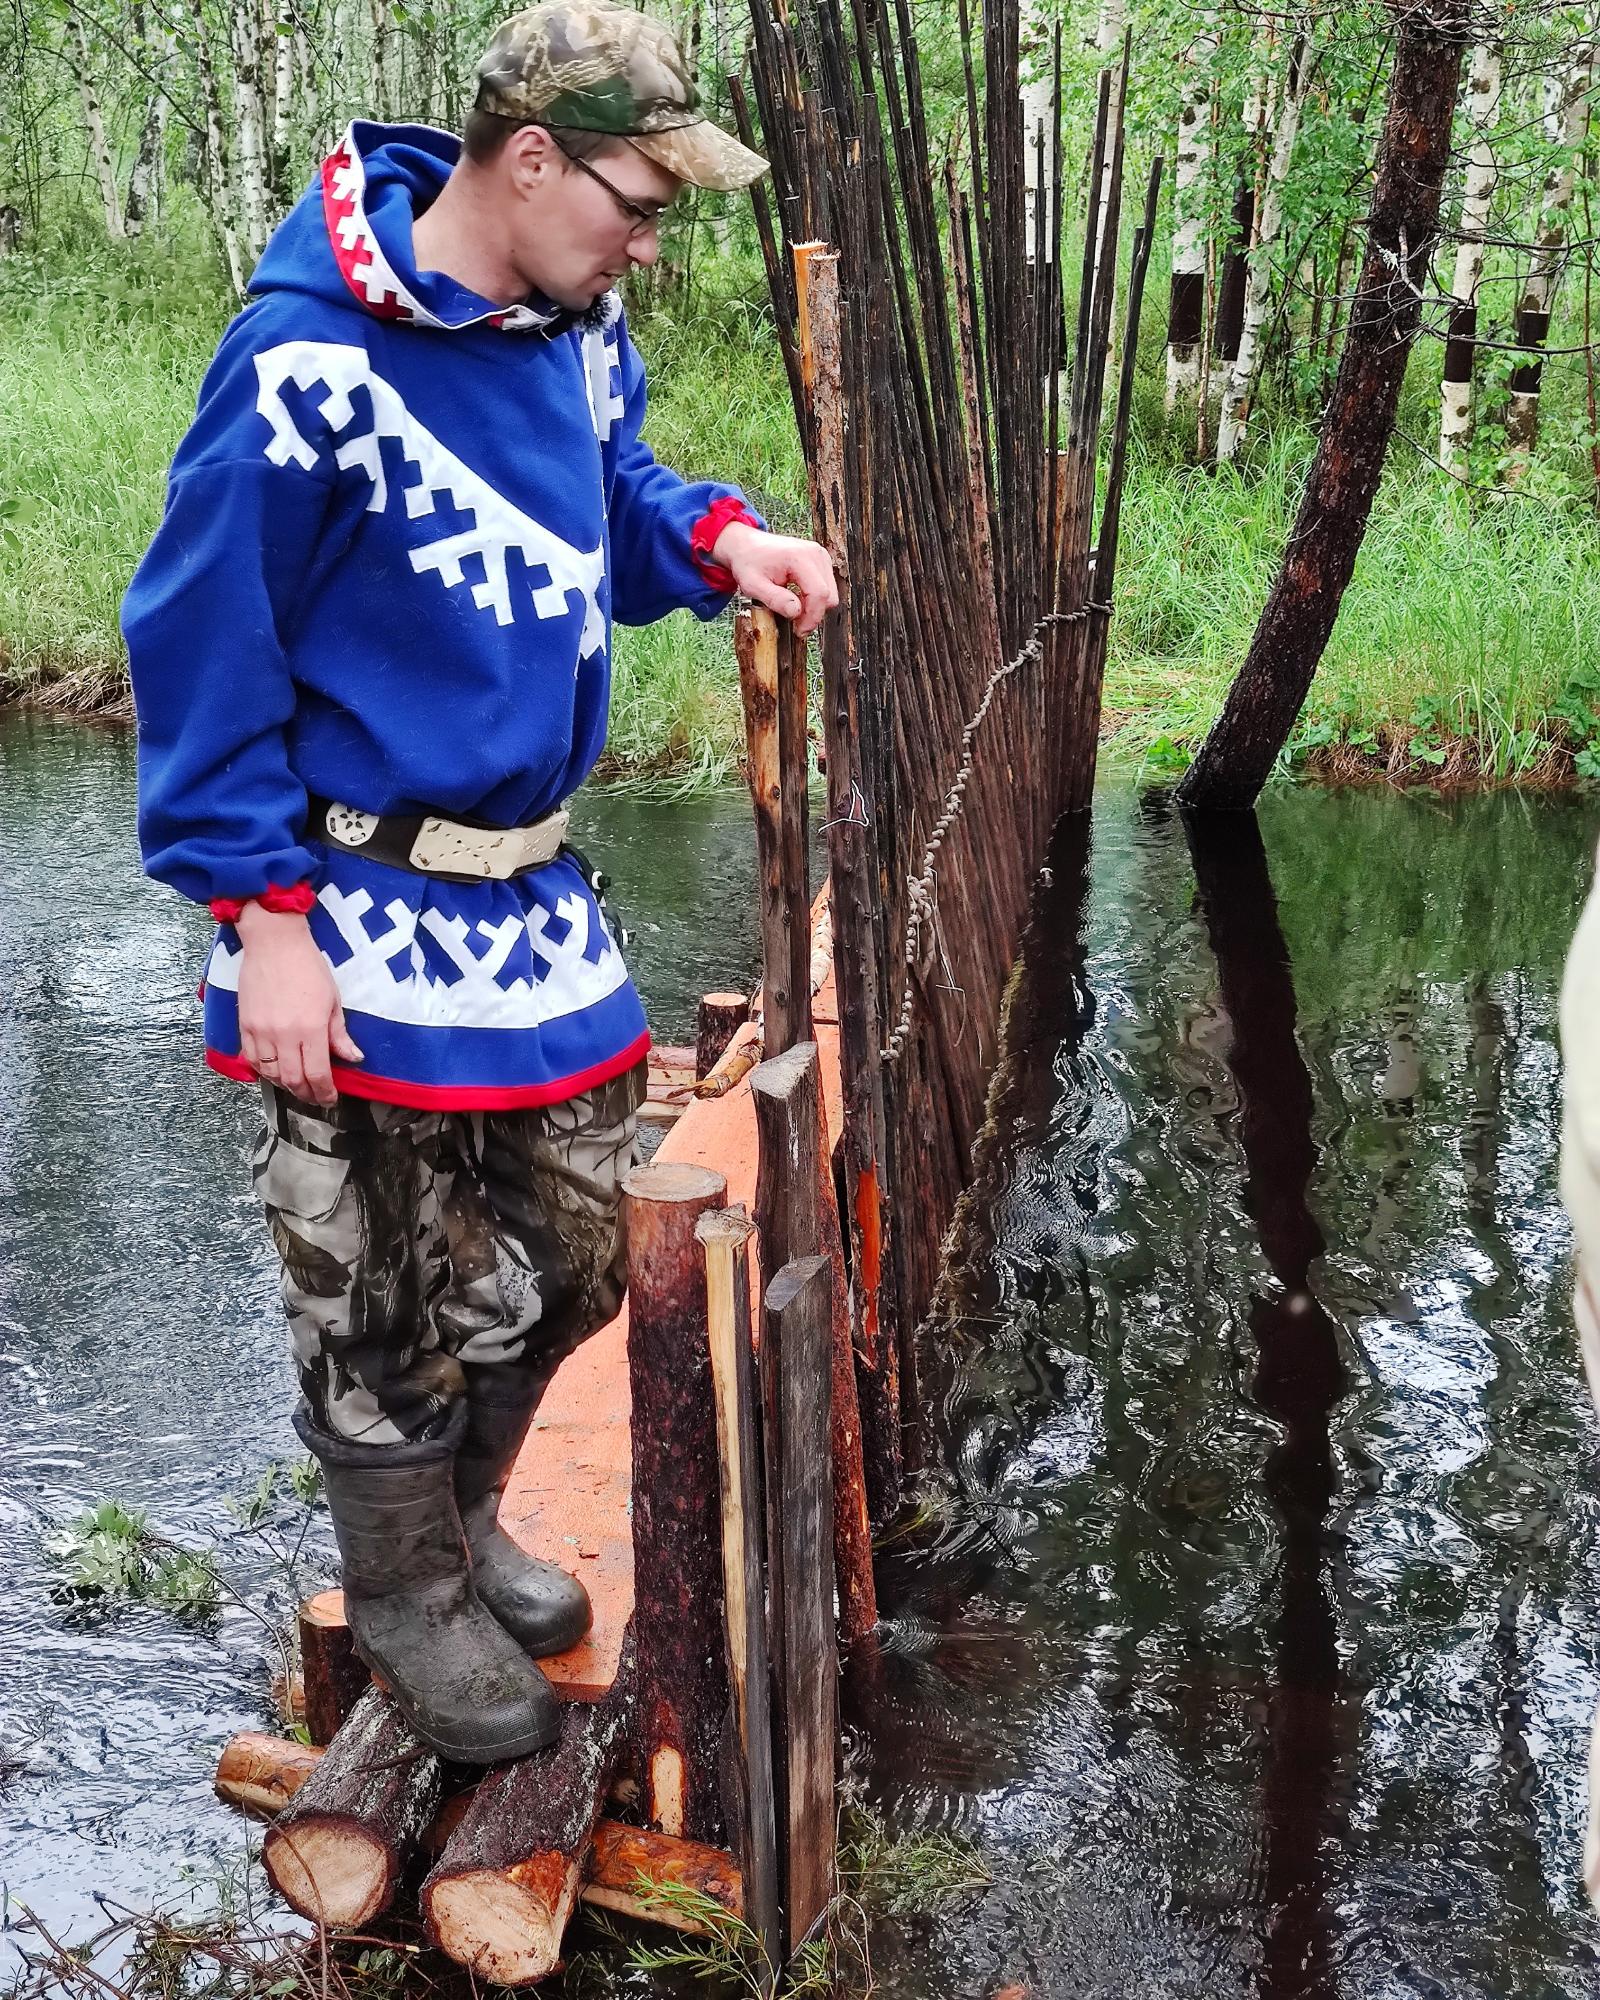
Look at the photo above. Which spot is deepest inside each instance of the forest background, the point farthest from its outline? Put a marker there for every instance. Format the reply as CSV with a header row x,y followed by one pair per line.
x,y
147,150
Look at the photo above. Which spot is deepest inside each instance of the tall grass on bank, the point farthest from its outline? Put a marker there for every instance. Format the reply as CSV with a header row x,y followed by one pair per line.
x,y
101,357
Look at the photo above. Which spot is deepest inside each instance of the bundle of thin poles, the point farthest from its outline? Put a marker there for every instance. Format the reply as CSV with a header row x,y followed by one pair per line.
x,y
953,468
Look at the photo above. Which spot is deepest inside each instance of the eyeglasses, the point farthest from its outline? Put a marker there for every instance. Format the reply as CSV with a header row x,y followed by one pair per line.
x,y
641,218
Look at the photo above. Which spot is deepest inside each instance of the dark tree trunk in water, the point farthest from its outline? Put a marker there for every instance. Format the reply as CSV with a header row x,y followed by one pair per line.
x,y
1265,699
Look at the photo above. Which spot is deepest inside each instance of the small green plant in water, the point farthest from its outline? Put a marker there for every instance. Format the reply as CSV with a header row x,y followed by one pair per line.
x,y
104,1553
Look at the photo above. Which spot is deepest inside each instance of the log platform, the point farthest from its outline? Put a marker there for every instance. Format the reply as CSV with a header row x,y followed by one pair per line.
x,y
505,1881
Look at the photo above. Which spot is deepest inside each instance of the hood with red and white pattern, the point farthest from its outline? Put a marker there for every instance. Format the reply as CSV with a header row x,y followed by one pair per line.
x,y
349,238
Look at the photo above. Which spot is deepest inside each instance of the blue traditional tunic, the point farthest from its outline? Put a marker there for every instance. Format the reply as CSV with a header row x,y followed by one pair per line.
x,y
395,538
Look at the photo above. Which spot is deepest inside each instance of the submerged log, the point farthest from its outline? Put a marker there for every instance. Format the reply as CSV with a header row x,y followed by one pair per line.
x,y
332,1672
259,1773
682,1675
337,1849
499,1897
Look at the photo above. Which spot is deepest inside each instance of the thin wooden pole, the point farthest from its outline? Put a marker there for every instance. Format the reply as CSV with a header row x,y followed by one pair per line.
x,y
767,681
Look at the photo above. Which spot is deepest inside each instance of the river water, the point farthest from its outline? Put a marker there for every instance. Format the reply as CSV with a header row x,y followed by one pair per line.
x,y
1251,1634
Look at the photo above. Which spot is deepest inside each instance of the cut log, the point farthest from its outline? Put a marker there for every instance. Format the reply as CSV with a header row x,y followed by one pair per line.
x,y
500,1895
797,1216
337,1849
796,1349
259,1773
725,1238
772,684
332,1672
717,1020
682,1675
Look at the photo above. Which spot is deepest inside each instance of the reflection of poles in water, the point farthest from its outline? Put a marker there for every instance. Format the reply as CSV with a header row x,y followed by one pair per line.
x,y
1299,1378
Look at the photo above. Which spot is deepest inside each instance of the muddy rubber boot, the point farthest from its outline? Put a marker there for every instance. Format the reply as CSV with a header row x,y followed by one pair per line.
x,y
460,1679
545,1609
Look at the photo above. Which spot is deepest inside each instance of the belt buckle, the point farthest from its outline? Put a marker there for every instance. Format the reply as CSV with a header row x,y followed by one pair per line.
x,y
445,847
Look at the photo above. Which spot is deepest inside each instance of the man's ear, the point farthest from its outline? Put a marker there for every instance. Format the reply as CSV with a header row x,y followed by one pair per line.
x,y
530,156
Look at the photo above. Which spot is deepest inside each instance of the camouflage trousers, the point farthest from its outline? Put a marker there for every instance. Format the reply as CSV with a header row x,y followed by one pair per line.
x,y
418,1245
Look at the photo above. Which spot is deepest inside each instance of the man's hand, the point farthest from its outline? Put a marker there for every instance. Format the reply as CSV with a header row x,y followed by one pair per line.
x,y
291,1026
791,577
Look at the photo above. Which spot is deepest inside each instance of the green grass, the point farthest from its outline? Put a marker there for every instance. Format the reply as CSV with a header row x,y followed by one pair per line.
x,y
1463,649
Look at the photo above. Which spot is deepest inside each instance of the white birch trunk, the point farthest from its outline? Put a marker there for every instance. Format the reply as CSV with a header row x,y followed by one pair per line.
x,y
249,129
310,94
1455,396
1108,40
1186,319
218,174
282,104
105,172
144,183
378,57
1258,291
1566,110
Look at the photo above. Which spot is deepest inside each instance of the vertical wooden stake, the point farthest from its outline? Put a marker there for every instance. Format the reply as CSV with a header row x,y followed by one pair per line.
x,y
725,1238
796,1362
768,672
332,1673
797,1217
677,1620
717,1019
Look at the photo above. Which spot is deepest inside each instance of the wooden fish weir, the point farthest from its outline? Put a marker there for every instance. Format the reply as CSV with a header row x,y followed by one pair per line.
x,y
954,472
711,1463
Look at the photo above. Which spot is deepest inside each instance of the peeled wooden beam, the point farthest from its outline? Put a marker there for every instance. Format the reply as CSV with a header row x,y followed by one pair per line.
x,y
500,1895
332,1673
717,1020
259,1773
725,1238
798,1217
772,685
682,1674
337,1849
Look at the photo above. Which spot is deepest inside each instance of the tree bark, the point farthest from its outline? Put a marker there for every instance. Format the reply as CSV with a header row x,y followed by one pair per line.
x,y
144,183
105,172
1565,117
250,133
218,172
1455,396
1186,315
1304,601
1241,382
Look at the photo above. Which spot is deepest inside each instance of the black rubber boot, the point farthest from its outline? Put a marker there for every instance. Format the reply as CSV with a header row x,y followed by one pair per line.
x,y
545,1609
459,1677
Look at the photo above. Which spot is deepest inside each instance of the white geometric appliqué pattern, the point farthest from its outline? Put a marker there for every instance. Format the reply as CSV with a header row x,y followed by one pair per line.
x,y
498,526
602,364
478,996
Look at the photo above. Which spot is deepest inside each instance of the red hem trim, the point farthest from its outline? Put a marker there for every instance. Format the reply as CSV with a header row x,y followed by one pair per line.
x,y
703,538
447,1097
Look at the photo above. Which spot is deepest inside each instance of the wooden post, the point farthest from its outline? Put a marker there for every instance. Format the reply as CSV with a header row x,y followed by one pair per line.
x,y
682,1674
717,1020
772,685
725,1239
332,1672
797,1217
796,1349
500,1894
336,1850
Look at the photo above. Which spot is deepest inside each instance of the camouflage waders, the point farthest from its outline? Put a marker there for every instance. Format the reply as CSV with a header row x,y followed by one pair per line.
x,y
419,1244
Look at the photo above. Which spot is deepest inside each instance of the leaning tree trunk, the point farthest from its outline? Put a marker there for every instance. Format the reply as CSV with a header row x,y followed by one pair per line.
x,y
1565,118
1483,109
1258,288
1402,233
1186,317
144,183
105,171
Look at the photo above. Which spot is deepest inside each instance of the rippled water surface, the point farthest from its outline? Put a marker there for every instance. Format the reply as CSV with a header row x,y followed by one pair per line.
x,y
1256,1644
1253,1637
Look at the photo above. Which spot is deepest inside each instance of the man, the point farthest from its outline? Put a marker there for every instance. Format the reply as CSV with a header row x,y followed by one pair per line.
x,y
370,652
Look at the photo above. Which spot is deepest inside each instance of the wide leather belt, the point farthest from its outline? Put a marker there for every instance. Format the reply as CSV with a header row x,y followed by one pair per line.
x,y
431,845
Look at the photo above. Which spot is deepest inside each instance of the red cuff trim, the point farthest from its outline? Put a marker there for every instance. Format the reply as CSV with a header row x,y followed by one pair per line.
x,y
296,901
703,537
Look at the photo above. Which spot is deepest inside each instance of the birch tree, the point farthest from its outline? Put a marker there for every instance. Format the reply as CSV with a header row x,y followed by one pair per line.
x,y
1186,318
1477,200
105,172
1566,110
249,129
1241,379
144,182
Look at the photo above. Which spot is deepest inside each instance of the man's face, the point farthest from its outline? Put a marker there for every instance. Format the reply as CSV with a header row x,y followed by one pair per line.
x,y
573,237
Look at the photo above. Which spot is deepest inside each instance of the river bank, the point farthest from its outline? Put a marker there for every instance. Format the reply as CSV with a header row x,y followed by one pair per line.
x,y
1467,652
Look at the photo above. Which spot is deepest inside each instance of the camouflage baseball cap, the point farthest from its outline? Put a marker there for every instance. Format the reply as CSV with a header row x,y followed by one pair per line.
x,y
592,67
